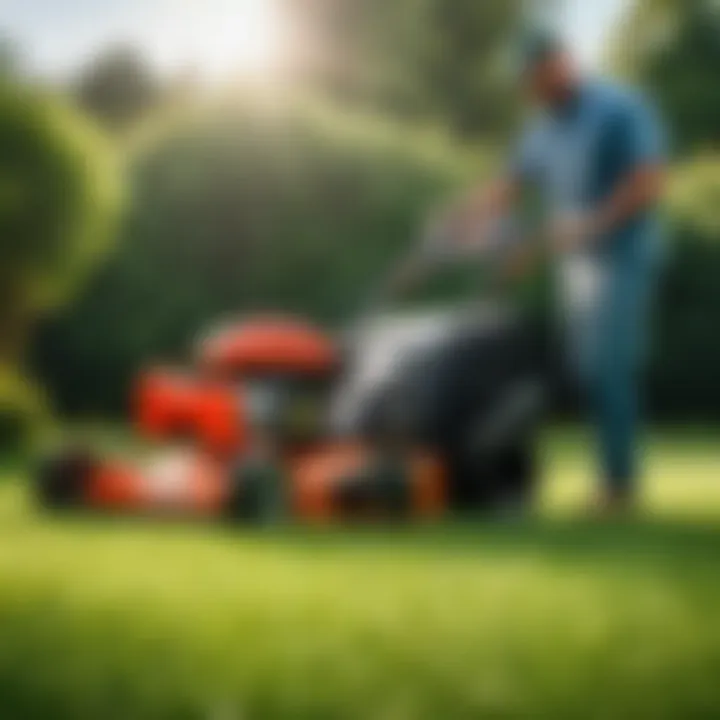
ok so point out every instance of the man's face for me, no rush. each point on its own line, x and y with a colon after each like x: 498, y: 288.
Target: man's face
x: 551, y: 79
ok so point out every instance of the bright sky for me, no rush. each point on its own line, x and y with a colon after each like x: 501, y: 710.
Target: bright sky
x: 213, y: 35
x: 586, y: 23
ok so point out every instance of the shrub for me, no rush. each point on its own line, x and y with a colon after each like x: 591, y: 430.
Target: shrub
x: 23, y: 415
x: 58, y: 195
x: 234, y: 211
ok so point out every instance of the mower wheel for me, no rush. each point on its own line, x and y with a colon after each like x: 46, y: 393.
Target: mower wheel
x: 380, y: 491
x: 62, y: 479
x: 238, y: 506
x: 517, y: 475
x: 256, y: 492
x: 504, y: 480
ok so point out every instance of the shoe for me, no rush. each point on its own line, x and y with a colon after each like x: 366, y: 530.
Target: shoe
x: 612, y: 504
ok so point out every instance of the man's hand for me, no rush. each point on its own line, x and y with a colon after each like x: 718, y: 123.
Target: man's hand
x: 407, y: 277
x: 572, y: 232
x: 468, y: 220
x: 519, y: 263
x: 402, y: 280
x: 642, y: 188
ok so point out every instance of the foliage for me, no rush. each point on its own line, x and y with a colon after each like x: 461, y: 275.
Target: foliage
x: 23, y: 414
x: 58, y: 196
x: 686, y: 355
x: 429, y: 60
x: 118, y: 88
x: 686, y: 351
x: 695, y: 195
x: 643, y: 26
x: 236, y: 210
x: 672, y: 48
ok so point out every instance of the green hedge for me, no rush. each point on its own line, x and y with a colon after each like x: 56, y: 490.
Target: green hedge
x: 59, y: 196
x: 685, y: 370
x: 685, y: 379
x: 24, y: 416
x: 236, y: 211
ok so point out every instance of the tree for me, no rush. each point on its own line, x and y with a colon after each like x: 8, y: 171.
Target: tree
x: 672, y: 48
x: 58, y: 194
x: 118, y: 87
x: 418, y: 59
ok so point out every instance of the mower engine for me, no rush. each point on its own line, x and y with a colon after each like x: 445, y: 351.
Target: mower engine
x: 467, y: 384
x: 259, y: 378
x: 266, y: 372
x: 429, y: 408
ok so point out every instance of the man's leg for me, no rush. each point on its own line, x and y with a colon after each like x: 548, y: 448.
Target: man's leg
x: 615, y: 410
x: 615, y: 375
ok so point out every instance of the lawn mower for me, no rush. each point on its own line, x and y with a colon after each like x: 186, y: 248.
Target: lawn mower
x: 456, y: 394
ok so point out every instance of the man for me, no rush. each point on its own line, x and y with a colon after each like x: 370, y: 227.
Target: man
x: 595, y: 152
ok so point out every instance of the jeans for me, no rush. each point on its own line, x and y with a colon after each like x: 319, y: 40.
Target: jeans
x: 606, y: 321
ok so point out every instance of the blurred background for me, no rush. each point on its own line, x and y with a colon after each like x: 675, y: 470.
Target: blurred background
x: 200, y: 159
x: 165, y: 164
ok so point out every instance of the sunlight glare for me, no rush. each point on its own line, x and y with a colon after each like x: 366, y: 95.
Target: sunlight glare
x: 230, y: 37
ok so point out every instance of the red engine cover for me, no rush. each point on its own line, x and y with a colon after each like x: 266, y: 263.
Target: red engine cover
x: 170, y: 404
x: 269, y: 345
x: 211, y: 409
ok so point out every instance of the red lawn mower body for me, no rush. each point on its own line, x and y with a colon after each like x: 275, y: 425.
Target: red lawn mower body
x: 207, y: 417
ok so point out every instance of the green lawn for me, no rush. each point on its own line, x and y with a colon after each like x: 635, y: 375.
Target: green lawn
x: 552, y: 617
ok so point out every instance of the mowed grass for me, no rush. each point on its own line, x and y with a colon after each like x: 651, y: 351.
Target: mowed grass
x: 551, y: 617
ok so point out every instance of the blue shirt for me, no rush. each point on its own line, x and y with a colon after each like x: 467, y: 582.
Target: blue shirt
x: 578, y: 154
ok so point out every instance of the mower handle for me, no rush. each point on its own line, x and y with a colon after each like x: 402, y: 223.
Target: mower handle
x: 437, y: 248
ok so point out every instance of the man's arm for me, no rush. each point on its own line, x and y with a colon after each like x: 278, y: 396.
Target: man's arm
x: 477, y: 218
x: 482, y: 211
x: 474, y: 221
x: 455, y: 232
x: 637, y: 131
x: 491, y: 201
x: 641, y: 190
